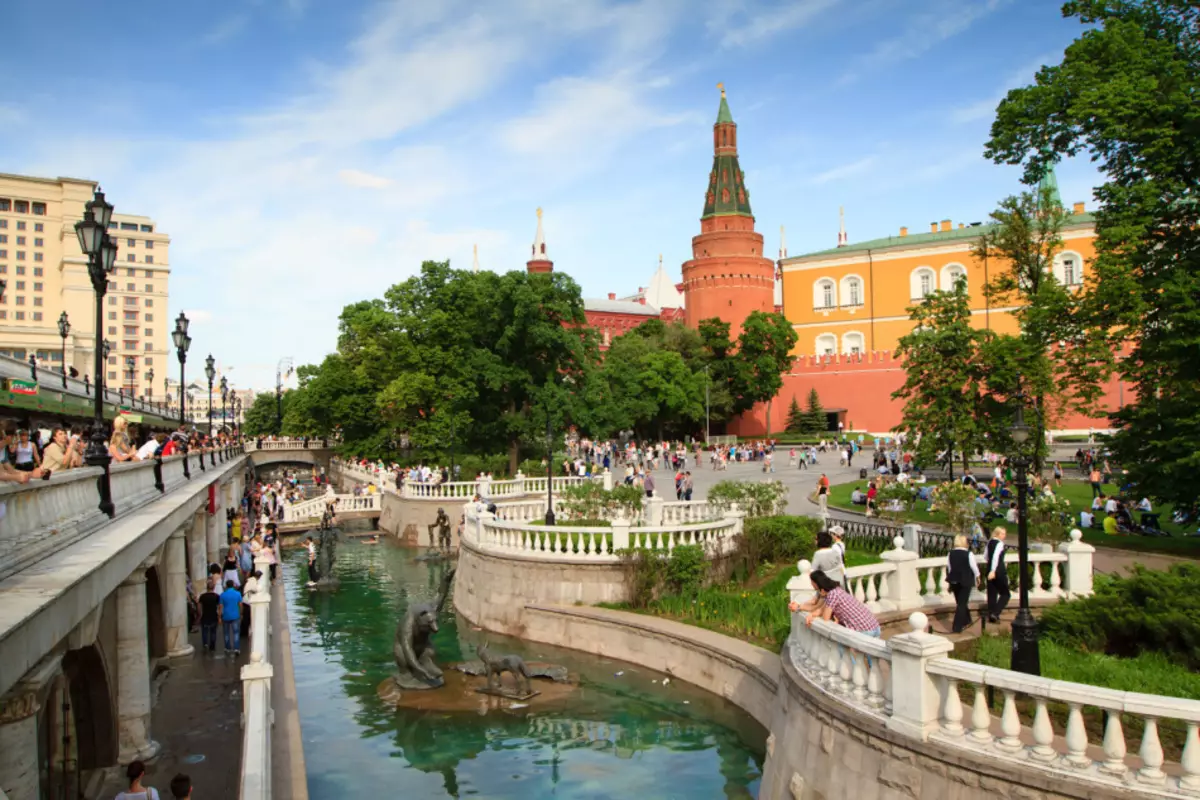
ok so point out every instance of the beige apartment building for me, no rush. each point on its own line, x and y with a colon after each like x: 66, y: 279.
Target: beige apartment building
x: 46, y: 274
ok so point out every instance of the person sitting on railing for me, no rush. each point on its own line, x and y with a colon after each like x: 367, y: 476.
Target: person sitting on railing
x: 59, y: 455
x: 832, y: 602
x: 10, y: 473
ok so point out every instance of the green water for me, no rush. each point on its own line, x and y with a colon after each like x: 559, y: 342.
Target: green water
x: 615, y: 736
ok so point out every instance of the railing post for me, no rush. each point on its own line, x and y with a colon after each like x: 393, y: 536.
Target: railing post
x: 608, y: 481
x: 800, y: 587
x: 620, y: 534
x: 654, y: 510
x: 739, y: 517
x: 1078, y: 573
x: 916, y: 701
x: 912, y: 538
x: 904, y: 586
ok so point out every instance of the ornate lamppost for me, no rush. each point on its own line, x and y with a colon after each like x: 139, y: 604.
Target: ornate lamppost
x: 210, y: 372
x: 224, y: 400
x: 182, y: 342
x: 549, y: 466
x: 1025, y: 652
x: 131, y: 365
x: 150, y: 385
x: 64, y: 328
x: 101, y: 252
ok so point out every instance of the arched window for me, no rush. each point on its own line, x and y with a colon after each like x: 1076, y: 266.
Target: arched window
x: 952, y: 273
x: 826, y: 344
x: 852, y: 290
x: 1068, y: 268
x: 922, y: 282
x: 824, y: 293
x: 853, y: 343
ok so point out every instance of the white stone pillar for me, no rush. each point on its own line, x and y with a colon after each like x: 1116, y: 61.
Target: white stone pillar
x: 197, y: 544
x: 800, y: 588
x: 19, y: 744
x: 1078, y: 575
x: 215, y: 536
x: 912, y: 538
x: 176, y: 597
x: 608, y: 480
x: 653, y: 510
x: 620, y: 534
x: 916, y: 700
x: 904, y: 587
x: 133, y: 671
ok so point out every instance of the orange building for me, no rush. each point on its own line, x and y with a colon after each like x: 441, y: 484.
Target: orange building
x: 728, y: 275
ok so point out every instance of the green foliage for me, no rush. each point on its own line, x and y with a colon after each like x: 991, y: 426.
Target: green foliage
x: 1125, y: 93
x: 590, y: 500
x: 894, y: 500
x: 260, y: 418
x: 1149, y: 610
x: 756, y: 498
x: 814, y: 419
x: 1049, y: 516
x: 778, y: 539
x: 797, y: 421
x: 687, y: 569
x: 956, y: 501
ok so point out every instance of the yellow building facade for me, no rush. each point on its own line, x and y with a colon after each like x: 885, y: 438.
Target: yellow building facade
x: 45, y: 275
x: 854, y: 299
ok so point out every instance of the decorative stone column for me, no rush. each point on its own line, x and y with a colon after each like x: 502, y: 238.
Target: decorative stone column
x: 915, y: 697
x: 608, y: 480
x: 904, y: 588
x: 176, y: 591
x: 912, y: 538
x: 197, y: 545
x: 19, y: 744
x: 800, y: 588
x: 653, y: 507
x: 133, y: 671
x: 1079, y: 565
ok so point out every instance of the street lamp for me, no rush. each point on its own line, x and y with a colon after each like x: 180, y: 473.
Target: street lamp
x: 101, y: 252
x: 224, y: 399
x: 131, y: 365
x: 549, y: 467
x: 210, y: 372
x: 1025, y: 655
x: 182, y: 342
x: 150, y: 385
x: 64, y: 328
x: 706, y: 384
x: 283, y: 362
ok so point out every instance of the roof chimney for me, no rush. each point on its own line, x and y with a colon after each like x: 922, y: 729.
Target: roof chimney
x: 612, y: 295
x: 961, y: 226
x: 933, y: 227
x: 1079, y: 208
x: 945, y: 225
x: 642, y: 300
x: 903, y: 231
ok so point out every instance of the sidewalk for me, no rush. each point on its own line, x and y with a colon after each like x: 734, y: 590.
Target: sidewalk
x: 197, y: 722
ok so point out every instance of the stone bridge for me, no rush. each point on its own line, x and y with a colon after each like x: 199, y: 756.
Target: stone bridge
x: 91, y: 605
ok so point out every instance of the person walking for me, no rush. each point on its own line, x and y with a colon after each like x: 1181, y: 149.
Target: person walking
x: 998, y: 592
x: 823, y: 493
x: 648, y: 484
x: 230, y: 613
x: 962, y: 573
x: 135, y: 772
x: 209, y: 602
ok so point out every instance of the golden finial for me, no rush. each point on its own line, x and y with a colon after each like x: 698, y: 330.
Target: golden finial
x: 721, y: 86
x: 539, y: 213
x: 660, y: 259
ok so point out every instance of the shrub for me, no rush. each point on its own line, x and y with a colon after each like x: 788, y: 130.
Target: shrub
x: 1146, y: 611
x: 687, y: 569
x: 532, y: 468
x: 1049, y: 515
x: 957, y: 501
x: 590, y: 500
x: 756, y: 498
x: 644, y: 571
x: 782, y: 538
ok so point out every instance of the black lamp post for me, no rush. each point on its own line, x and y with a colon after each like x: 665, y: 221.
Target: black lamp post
x: 182, y: 342
x: 1025, y: 655
x: 150, y: 385
x: 131, y: 365
x: 101, y: 252
x: 210, y: 372
x: 224, y: 400
x: 64, y: 328
x: 549, y: 467
x: 33, y: 367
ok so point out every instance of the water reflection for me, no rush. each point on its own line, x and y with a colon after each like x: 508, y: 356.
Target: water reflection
x: 615, y: 735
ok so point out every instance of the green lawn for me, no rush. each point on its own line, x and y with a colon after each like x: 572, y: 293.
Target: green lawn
x: 1079, y: 494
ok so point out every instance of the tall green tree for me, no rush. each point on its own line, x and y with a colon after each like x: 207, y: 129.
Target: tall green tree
x: 814, y: 417
x: 1126, y: 93
x: 797, y: 420
x: 764, y: 354
x: 260, y: 419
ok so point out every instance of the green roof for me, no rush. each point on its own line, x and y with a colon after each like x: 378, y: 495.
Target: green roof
x: 1049, y: 182
x: 940, y: 237
x: 723, y: 114
x: 727, y: 193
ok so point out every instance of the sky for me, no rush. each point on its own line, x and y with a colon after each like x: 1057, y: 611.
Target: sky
x: 308, y: 154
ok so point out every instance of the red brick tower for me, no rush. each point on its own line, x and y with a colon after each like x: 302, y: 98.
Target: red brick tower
x: 728, y: 276
x: 540, y: 262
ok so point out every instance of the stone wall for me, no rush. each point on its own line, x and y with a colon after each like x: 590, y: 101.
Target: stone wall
x: 409, y: 520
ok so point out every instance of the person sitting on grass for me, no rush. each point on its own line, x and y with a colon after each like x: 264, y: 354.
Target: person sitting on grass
x: 858, y: 497
x: 1110, y: 524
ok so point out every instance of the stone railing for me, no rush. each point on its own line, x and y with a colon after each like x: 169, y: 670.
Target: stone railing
x: 258, y: 714
x: 254, y: 445
x: 654, y: 511
x: 904, y: 582
x: 595, y: 544
x: 911, y: 685
x: 675, y: 512
x: 47, y: 515
x: 463, y: 490
x: 314, y: 507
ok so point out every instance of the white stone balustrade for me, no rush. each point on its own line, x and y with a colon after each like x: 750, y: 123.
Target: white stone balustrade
x: 844, y: 662
x: 682, y: 512
x: 314, y: 507
x: 253, y: 445
x: 258, y: 716
x: 46, y: 515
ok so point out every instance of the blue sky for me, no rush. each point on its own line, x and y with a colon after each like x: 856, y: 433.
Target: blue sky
x: 305, y: 154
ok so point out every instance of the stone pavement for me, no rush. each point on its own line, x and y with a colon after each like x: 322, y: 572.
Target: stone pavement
x: 197, y: 722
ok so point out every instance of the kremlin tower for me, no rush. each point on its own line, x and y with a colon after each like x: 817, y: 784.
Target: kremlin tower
x: 728, y: 275
x: 540, y: 262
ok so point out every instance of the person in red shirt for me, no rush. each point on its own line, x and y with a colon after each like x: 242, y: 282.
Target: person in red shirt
x: 872, y: 491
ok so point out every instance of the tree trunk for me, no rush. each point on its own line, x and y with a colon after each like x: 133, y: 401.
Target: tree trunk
x: 768, y: 419
x: 514, y: 455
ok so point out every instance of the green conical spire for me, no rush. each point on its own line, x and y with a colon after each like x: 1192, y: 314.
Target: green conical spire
x: 1049, y: 183
x: 723, y: 114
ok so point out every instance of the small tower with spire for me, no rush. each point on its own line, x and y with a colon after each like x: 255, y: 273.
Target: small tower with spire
x: 540, y: 261
x: 475, y: 260
x: 729, y: 274
x: 842, y: 240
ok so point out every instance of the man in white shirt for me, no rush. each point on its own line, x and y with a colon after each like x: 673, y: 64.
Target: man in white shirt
x: 150, y: 447
x: 1144, y: 505
x: 1110, y: 506
x: 1085, y: 519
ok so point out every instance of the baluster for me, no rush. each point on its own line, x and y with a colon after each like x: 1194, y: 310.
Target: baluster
x: 943, y: 583
x: 1152, y: 754
x: 883, y: 584
x: 1114, y: 746
x: 845, y: 669
x: 1056, y: 578
x: 929, y: 587
x: 981, y: 716
x: 875, y: 683
x: 1076, y: 738
x: 1043, y: 733
x: 825, y: 660
x: 858, y: 675
x: 856, y: 585
x: 872, y: 594
x: 1190, y: 760
x: 952, y: 711
x: 1036, y: 582
x: 1010, y: 724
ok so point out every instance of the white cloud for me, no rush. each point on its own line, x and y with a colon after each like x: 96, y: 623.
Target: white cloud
x: 986, y: 108
x: 11, y: 115
x: 363, y: 180
x: 740, y: 26
x: 226, y: 29
x: 845, y: 170
x: 200, y: 315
